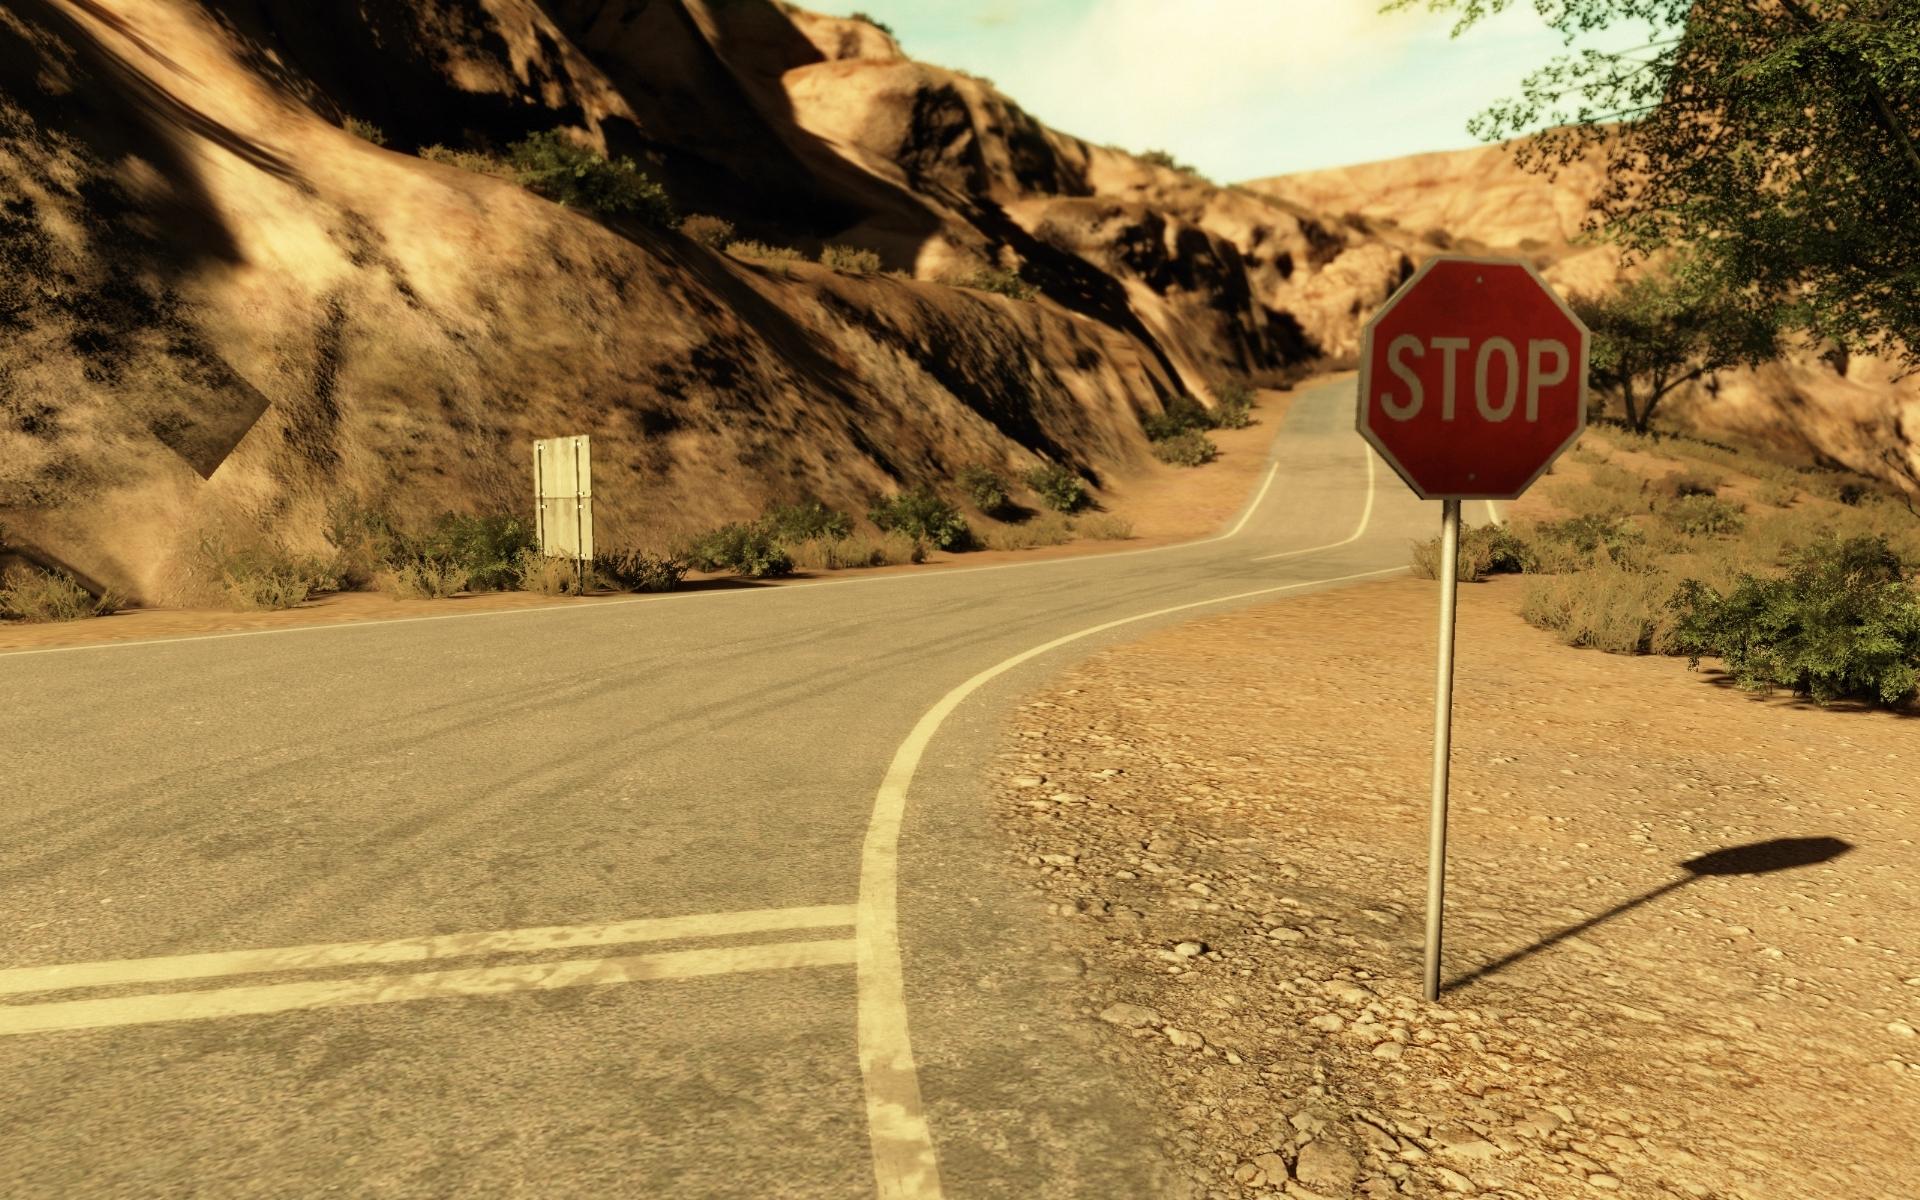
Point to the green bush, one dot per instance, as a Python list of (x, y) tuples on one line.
[(367, 542), (1484, 550), (712, 232), (882, 26), (920, 514), (639, 571), (986, 488), (807, 520), (1680, 484), (1234, 405), (1698, 515), (748, 549), (33, 595), (1842, 622), (366, 131), (1777, 493), (1189, 449), (266, 578), (994, 279), (553, 165), (1059, 488), (471, 160), (1591, 531), (488, 549), (1181, 414), (850, 258)]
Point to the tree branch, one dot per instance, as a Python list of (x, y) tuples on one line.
[(1882, 111)]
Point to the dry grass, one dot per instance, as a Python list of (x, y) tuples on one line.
[(1047, 529), (32, 595), (422, 580), (1604, 606), (268, 578), (855, 551), (549, 575), (1104, 527)]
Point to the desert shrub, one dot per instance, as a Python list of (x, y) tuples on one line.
[(550, 574), (265, 578), (1181, 414), (882, 26), (488, 549), (1484, 550), (1590, 531), (710, 231), (1234, 407), (1105, 527), (422, 579), (1777, 493), (1189, 449), (792, 523), (553, 165), (761, 252), (919, 513), (850, 258), (986, 488), (1058, 487), (748, 549), (366, 131), (470, 160), (1047, 529), (858, 550), (1842, 622), (1162, 158), (1698, 515), (1604, 606), (33, 595), (1587, 452), (1680, 484), (994, 279), (1618, 480), (639, 571), (1851, 492)]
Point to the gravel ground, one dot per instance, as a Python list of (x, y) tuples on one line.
[(1228, 820)]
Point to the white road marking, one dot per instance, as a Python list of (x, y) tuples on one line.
[(904, 1163), (388, 989), (1366, 515), (420, 949)]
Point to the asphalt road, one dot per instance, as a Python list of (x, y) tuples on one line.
[(597, 901)]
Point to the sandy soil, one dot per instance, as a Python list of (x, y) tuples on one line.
[(1234, 818), (1165, 504)]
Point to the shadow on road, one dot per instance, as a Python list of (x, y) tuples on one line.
[(1755, 858)]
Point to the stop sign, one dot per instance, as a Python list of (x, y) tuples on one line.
[(1473, 377)]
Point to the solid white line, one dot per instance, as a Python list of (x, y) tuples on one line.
[(420, 949), (1366, 514), (388, 989), (381, 622), (904, 1164)]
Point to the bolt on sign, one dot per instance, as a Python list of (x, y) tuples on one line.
[(563, 497), (1473, 379)]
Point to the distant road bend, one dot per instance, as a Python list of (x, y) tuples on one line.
[(688, 896)]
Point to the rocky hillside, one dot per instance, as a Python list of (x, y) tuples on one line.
[(226, 312), (1816, 403)]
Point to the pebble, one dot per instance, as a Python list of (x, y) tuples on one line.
[(1899, 1029), (1329, 1022), (1181, 1037), (1132, 1016), (1603, 1181), (1391, 1051), (1326, 1167), (1027, 781), (1454, 1181), (1190, 949), (1283, 933)]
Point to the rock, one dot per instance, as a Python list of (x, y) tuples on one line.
[(1346, 992), (1329, 1022), (1457, 1141), (1132, 1016), (1190, 949), (1454, 1181), (1899, 1029), (1327, 1167), (1391, 1051), (1059, 860), (1274, 1166), (1604, 1182), (1068, 798), (1285, 933), (1181, 1037), (1027, 781), (1375, 1137)]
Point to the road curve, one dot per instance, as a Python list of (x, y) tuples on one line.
[(693, 896)]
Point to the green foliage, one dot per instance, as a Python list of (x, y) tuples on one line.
[(1484, 550), (882, 26), (986, 488), (457, 552), (1058, 487), (921, 514), (1181, 414), (747, 549), (265, 578), (1777, 493), (1589, 532), (715, 233), (32, 595), (993, 279), (850, 258), (1777, 139), (1189, 449), (366, 131), (1699, 515), (638, 571), (488, 549), (1842, 622), (791, 523), (553, 165), (1161, 158), (1691, 483), (1233, 405), (470, 160)]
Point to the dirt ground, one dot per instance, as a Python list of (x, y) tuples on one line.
[(1230, 820), (1166, 504)]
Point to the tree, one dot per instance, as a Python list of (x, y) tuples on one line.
[(1661, 331), (1777, 138)]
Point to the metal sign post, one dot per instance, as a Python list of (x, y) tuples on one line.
[(563, 500), (1449, 571)]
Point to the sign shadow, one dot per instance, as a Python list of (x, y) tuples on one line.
[(1754, 858)]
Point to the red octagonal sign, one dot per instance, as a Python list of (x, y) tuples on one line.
[(1473, 377)]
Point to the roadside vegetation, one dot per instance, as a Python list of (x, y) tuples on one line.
[(1179, 430), (552, 165), (1795, 579)]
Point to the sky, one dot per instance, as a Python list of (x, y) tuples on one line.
[(1237, 88)]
